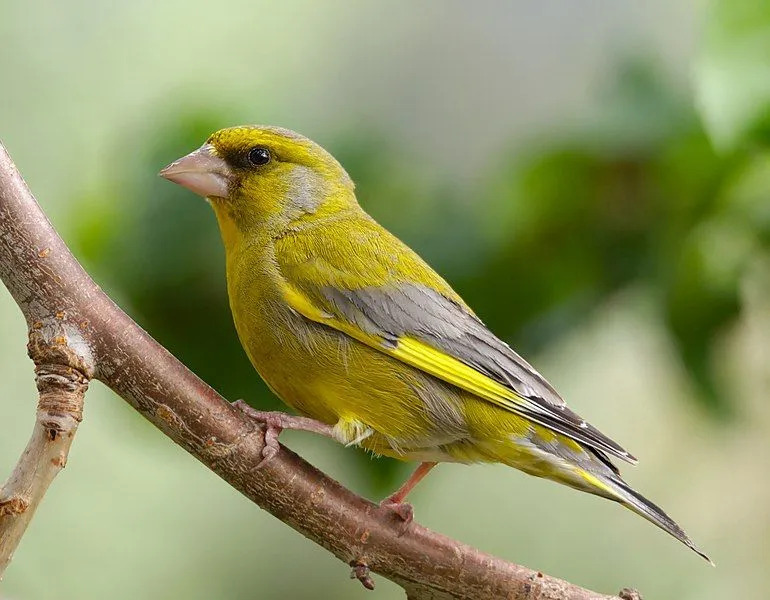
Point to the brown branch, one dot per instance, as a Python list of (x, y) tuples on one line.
[(59, 411), (65, 309)]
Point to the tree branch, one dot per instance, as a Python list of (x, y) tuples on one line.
[(59, 411), (77, 332)]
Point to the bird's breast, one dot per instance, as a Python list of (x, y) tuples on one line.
[(303, 363), (327, 375)]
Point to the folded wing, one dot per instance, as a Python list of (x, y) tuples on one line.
[(428, 329)]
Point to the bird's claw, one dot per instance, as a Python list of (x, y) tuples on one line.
[(273, 427), (403, 511), (250, 411), (271, 447), (275, 422)]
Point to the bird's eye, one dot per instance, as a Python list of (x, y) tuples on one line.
[(259, 156)]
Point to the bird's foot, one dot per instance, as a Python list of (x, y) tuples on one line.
[(402, 511), (275, 422), (395, 502)]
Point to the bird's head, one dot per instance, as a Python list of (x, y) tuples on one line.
[(262, 176)]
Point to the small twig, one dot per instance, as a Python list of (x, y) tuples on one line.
[(360, 570), (61, 384)]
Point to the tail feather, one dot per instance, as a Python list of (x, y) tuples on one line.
[(653, 513)]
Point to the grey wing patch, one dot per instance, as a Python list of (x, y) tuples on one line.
[(423, 313)]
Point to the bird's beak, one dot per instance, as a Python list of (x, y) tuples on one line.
[(201, 172)]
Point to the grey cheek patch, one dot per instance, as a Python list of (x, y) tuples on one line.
[(306, 189)]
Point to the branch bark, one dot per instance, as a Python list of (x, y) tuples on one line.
[(76, 330), (60, 410)]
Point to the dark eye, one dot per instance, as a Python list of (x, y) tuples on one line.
[(259, 156)]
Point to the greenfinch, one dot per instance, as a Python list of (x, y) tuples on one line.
[(352, 329)]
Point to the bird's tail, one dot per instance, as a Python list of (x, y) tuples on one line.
[(620, 491)]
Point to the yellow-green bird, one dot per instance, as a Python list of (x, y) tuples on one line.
[(352, 329)]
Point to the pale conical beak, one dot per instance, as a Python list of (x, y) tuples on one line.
[(201, 172)]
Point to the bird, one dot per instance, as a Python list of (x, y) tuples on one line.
[(352, 329)]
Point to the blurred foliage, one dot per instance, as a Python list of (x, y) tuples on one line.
[(733, 72), (638, 197)]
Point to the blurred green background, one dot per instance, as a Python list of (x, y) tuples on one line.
[(593, 177)]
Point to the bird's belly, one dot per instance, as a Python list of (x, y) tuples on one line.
[(326, 375)]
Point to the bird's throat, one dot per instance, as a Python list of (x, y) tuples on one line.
[(232, 235)]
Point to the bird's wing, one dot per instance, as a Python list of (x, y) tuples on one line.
[(389, 299)]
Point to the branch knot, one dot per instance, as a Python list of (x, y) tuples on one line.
[(15, 505), (62, 373), (61, 390)]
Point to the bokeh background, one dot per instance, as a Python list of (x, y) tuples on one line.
[(592, 176)]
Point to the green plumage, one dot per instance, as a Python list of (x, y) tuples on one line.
[(349, 326)]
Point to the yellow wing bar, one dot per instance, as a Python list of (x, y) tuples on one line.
[(443, 366), (415, 353)]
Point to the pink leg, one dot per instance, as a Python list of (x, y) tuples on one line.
[(275, 422), (395, 501)]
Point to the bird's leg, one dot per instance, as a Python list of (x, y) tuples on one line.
[(395, 502), (275, 422)]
